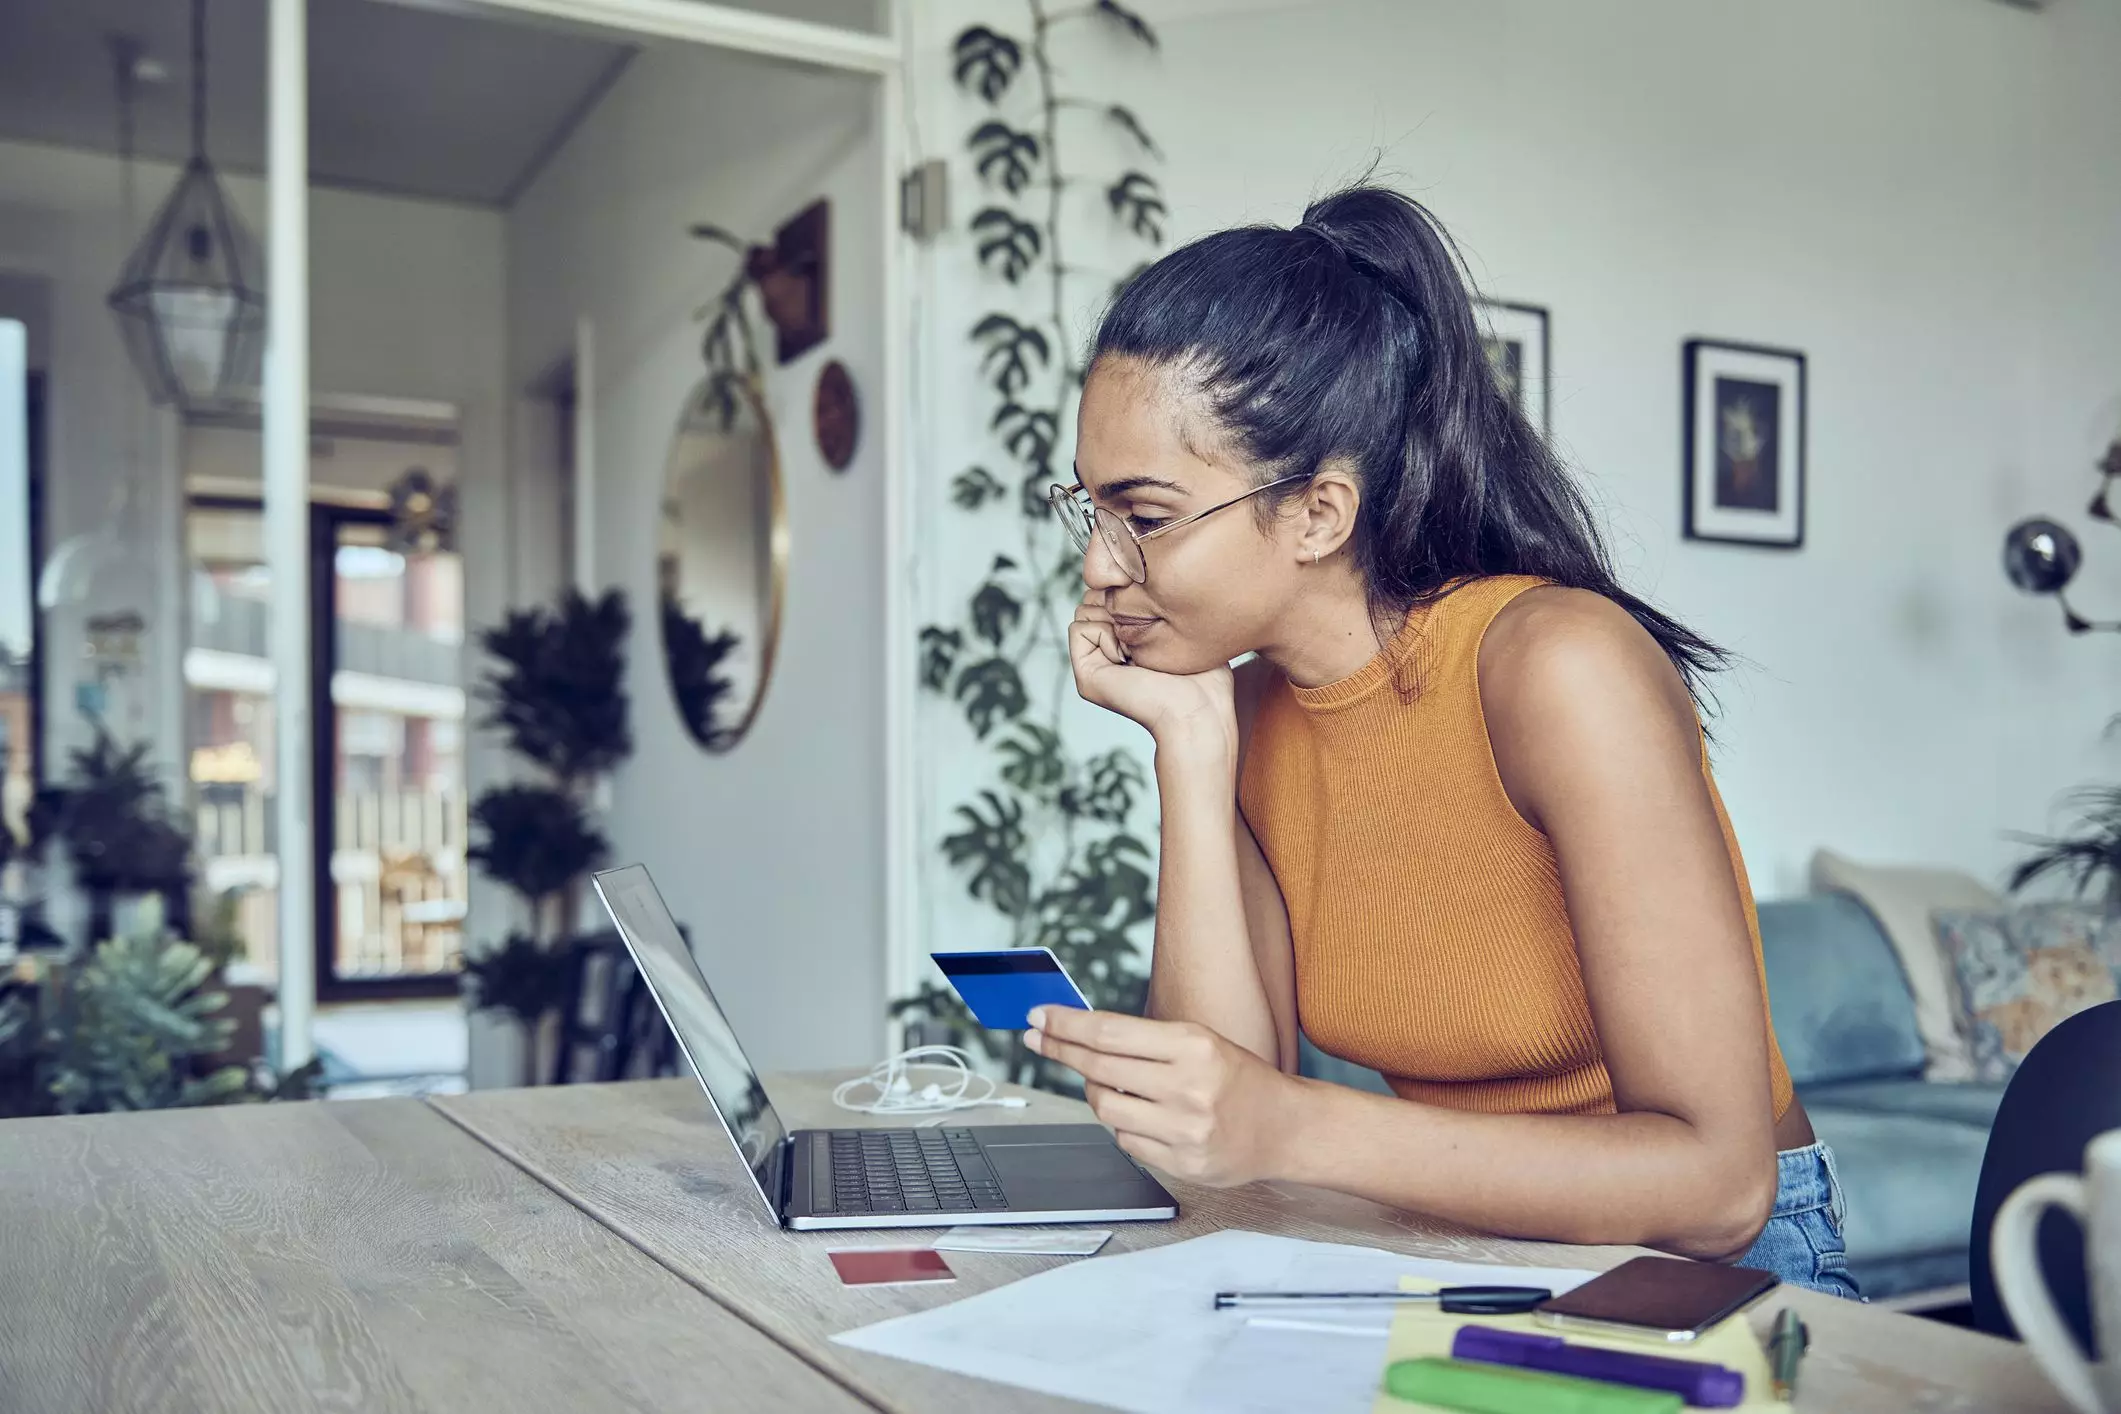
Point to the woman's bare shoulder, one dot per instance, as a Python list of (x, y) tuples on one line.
[(1553, 643), (1572, 687)]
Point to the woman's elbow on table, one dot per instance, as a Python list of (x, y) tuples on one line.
[(1734, 1204)]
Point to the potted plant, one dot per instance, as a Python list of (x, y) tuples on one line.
[(134, 1023), (2092, 854), (557, 691), (125, 841)]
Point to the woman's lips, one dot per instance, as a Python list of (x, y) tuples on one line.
[(1131, 628)]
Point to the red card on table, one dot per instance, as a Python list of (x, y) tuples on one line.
[(889, 1266)]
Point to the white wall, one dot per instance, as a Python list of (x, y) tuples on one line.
[(1920, 194), (406, 301), (773, 853)]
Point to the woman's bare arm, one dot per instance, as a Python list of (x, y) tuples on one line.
[(1222, 955)]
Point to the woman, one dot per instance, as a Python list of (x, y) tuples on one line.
[(1455, 821)]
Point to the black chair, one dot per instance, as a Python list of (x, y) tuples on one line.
[(2067, 1090), (610, 1028)]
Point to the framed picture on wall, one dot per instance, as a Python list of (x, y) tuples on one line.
[(1744, 434), (1516, 338)]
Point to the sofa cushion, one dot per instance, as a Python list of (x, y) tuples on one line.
[(1902, 898), (1909, 1181), (1971, 1103), (2025, 970), (1840, 1002)]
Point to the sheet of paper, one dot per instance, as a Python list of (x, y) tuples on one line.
[(1422, 1330), (1270, 1365), (1073, 1242), (1135, 1331)]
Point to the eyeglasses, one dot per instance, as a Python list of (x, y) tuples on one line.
[(1079, 516)]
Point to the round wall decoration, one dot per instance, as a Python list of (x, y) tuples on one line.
[(836, 415)]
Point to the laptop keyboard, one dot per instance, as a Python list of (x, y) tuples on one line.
[(911, 1171)]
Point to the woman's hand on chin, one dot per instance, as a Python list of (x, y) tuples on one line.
[(1189, 710), (1175, 1094)]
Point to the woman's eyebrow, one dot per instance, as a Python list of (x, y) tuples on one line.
[(1128, 484)]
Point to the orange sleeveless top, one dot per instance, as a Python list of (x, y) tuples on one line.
[(1432, 941)]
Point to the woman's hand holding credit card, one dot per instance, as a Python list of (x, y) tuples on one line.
[(1001, 988)]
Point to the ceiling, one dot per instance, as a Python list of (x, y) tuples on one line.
[(402, 100)]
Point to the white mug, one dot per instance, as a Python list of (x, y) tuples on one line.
[(2095, 1200)]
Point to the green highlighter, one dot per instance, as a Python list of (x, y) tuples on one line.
[(1498, 1389)]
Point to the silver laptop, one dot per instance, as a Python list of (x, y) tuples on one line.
[(897, 1177)]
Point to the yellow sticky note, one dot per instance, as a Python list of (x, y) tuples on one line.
[(1420, 1329)]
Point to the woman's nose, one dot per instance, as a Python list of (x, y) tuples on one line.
[(1101, 568)]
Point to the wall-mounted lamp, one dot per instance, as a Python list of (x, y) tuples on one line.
[(2042, 556)]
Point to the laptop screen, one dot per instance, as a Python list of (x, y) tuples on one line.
[(659, 950)]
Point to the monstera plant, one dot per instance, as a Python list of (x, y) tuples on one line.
[(1050, 842)]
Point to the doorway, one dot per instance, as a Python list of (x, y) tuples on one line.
[(386, 677)]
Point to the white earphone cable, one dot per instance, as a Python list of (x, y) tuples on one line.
[(891, 1083)]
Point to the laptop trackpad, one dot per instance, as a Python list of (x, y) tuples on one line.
[(1059, 1163)]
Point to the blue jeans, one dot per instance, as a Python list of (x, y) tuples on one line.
[(1802, 1240)]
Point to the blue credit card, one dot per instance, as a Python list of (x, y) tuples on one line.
[(1002, 987)]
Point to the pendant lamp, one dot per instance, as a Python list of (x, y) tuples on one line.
[(190, 301)]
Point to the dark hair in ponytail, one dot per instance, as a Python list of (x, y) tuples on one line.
[(1353, 336)]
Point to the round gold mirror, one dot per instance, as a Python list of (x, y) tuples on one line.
[(721, 560)]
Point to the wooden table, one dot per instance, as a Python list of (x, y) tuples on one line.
[(646, 1159), (594, 1248), (344, 1255)]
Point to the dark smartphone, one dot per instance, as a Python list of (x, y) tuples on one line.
[(1662, 1297)]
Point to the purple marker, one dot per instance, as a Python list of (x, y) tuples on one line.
[(1703, 1385)]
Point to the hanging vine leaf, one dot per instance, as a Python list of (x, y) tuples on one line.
[(1127, 21), (720, 235), (1125, 120), (991, 845), (1011, 348), (1111, 781), (1089, 909), (991, 690), (1005, 243), (939, 650), (1028, 433), (1031, 496), (1032, 760), (1138, 201), (995, 611), (1121, 866), (975, 487), (1005, 155), (987, 63)]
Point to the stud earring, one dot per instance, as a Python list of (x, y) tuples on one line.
[(1314, 554)]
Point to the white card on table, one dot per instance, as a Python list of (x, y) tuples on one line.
[(1080, 1243)]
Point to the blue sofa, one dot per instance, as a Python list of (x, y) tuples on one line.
[(1908, 1151)]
